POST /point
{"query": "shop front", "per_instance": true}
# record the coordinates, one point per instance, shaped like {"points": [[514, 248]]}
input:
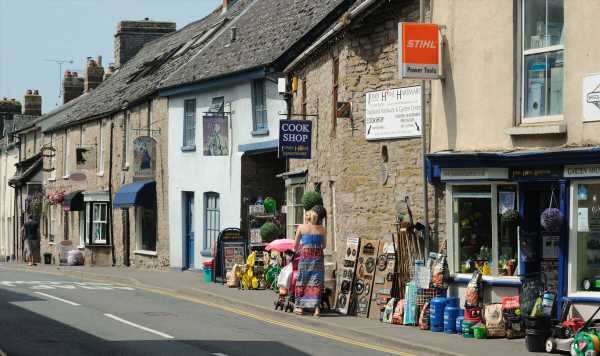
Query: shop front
{"points": [[523, 219]]}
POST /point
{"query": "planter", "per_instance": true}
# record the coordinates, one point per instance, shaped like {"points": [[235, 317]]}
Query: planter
{"points": [[47, 258]]}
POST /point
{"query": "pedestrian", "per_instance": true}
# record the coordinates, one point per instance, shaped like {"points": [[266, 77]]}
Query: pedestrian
{"points": [[310, 243], [31, 238]]}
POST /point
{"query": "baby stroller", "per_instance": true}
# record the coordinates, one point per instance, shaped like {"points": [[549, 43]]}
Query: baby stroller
{"points": [[285, 299]]}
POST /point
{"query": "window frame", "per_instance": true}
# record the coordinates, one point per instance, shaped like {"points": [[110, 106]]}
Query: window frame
{"points": [[100, 162], [139, 212], [81, 220], [291, 205], [52, 160], [66, 155], [523, 53], [189, 125], [453, 241], [260, 121], [90, 222], [52, 224], [212, 229]]}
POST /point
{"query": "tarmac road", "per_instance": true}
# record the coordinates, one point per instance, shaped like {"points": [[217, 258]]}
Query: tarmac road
{"points": [[41, 314]]}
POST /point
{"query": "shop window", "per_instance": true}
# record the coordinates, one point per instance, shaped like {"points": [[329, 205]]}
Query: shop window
{"points": [[52, 220], [295, 210], [212, 219], [146, 229], [189, 124], [482, 240], [586, 223], [259, 106], [81, 228], [543, 58], [97, 223]]}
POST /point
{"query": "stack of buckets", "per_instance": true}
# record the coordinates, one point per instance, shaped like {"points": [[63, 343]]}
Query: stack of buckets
{"points": [[207, 268], [472, 316], [444, 312]]}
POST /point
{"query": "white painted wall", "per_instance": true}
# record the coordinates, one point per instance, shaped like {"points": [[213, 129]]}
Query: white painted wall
{"points": [[193, 172], [8, 159]]}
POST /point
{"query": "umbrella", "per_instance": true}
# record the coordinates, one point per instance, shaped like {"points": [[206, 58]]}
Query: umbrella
{"points": [[281, 245]]}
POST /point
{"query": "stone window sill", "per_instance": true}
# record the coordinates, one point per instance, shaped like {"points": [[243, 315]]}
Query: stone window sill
{"points": [[145, 253], [100, 174], [65, 177], [545, 129], [263, 132], [188, 148]]}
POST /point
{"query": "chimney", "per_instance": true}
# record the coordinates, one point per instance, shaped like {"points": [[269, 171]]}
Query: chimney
{"points": [[94, 74], [225, 7], [131, 36], [72, 86], [8, 109], [109, 71], [32, 103]]}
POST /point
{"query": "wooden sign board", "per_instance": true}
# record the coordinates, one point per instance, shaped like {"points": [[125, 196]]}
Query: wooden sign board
{"points": [[345, 287], [365, 273], [382, 282]]}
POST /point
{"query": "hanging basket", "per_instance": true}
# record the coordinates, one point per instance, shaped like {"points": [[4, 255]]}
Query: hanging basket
{"points": [[551, 219], [511, 218]]}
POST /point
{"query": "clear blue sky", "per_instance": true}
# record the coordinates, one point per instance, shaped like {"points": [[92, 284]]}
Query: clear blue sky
{"points": [[34, 30]]}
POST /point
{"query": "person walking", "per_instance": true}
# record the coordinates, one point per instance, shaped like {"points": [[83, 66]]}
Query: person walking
{"points": [[31, 239], [310, 243]]}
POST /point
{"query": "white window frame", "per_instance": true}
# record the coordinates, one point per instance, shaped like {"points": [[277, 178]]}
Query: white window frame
{"points": [[52, 224], [82, 225], [292, 206], [52, 160], [100, 148], [525, 53], [189, 124], [95, 222], [211, 228], [66, 155], [453, 243]]}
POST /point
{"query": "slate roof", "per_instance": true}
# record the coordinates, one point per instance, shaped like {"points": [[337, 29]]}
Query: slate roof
{"points": [[266, 29]]}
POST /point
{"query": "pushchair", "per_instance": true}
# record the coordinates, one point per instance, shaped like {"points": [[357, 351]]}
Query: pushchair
{"points": [[285, 297]]}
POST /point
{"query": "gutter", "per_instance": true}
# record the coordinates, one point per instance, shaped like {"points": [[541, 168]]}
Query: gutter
{"points": [[342, 23]]}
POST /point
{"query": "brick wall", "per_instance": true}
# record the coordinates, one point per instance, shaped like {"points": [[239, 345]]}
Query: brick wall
{"points": [[343, 160]]}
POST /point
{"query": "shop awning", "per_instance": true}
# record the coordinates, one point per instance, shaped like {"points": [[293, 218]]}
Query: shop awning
{"points": [[136, 194], [74, 201]]}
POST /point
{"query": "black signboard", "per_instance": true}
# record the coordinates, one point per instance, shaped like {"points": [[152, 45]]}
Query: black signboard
{"points": [[532, 287], [232, 248], [295, 138], [545, 172]]}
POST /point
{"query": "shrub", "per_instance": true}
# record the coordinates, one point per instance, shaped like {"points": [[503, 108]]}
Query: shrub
{"points": [[310, 199], [269, 232]]}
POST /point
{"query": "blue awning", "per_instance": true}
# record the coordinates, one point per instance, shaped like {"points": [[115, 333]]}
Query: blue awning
{"points": [[136, 194]]}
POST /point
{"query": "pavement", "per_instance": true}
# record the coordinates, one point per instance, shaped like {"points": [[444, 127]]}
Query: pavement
{"points": [[181, 305]]}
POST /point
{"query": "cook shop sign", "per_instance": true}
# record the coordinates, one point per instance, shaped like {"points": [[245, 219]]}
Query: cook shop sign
{"points": [[295, 137], [393, 113]]}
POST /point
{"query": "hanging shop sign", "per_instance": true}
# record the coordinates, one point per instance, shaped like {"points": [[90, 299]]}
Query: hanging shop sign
{"points": [[295, 139], [216, 135], [419, 50], [582, 171], [144, 157], [591, 98], [393, 113], [474, 173]]}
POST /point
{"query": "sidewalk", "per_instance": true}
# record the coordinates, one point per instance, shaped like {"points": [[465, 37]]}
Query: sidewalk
{"points": [[191, 284]]}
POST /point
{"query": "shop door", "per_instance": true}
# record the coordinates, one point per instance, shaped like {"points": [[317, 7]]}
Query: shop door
{"points": [[189, 230]]}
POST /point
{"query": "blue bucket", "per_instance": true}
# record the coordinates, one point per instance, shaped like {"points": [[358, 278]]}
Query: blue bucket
{"points": [[459, 320], [452, 302], [450, 315], [437, 314]]}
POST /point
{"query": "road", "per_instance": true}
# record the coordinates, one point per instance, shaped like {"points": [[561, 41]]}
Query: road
{"points": [[41, 314]]}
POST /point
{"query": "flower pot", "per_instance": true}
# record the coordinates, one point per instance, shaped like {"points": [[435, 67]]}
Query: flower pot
{"points": [[47, 258]]}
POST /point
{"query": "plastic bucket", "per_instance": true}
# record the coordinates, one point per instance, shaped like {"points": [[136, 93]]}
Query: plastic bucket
{"points": [[467, 328], [535, 341], [459, 321], [208, 274], [450, 315], [437, 314], [479, 332]]}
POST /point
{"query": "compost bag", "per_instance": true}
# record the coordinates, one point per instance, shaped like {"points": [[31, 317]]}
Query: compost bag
{"points": [[474, 292]]}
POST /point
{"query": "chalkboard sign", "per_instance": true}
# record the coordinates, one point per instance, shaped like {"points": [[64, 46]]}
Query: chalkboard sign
{"points": [[532, 287], [232, 248]]}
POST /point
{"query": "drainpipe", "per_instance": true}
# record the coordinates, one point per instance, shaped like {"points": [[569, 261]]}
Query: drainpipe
{"points": [[110, 199], [424, 148]]}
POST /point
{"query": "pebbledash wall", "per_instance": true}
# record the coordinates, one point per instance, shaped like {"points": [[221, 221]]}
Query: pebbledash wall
{"points": [[347, 166], [98, 177]]}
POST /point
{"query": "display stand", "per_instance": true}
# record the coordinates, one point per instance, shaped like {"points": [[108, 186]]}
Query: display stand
{"points": [[232, 249]]}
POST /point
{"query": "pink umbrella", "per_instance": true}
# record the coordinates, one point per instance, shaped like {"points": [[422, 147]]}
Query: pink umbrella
{"points": [[281, 245]]}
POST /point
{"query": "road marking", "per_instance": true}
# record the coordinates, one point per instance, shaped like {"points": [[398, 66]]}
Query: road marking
{"points": [[49, 285], [166, 336], [57, 298], [219, 354]]}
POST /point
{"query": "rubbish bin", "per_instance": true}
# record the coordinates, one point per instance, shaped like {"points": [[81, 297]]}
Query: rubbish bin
{"points": [[47, 258], [207, 268]]}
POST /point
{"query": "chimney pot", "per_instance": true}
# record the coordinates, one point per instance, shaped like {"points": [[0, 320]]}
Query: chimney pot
{"points": [[131, 36], [32, 103], [99, 60], [93, 76]]}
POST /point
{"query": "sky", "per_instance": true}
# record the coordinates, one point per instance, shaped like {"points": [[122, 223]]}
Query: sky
{"points": [[34, 33]]}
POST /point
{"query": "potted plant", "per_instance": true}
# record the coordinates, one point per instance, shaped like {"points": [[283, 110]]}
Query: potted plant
{"points": [[310, 199], [269, 231]]}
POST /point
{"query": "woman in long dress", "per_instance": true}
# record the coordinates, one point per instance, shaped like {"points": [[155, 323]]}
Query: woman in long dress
{"points": [[310, 242]]}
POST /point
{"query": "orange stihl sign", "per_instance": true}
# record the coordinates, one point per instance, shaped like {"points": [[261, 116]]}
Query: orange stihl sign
{"points": [[419, 50]]}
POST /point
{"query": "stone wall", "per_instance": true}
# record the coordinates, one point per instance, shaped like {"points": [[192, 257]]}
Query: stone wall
{"points": [[347, 166]]}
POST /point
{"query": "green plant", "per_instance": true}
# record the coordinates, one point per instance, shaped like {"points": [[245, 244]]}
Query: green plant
{"points": [[511, 217], [269, 231], [270, 206], [310, 199]]}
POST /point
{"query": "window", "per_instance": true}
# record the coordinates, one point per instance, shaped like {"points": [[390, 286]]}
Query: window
{"points": [[295, 210], [212, 219], [334, 92], [98, 223], [81, 228], [543, 58], [218, 106], [100, 148], [189, 124], [52, 158], [66, 155], [585, 244], [126, 123], [146, 229], [52, 219], [259, 106], [481, 239]]}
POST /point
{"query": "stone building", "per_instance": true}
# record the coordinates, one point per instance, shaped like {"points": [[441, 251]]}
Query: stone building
{"points": [[363, 182]]}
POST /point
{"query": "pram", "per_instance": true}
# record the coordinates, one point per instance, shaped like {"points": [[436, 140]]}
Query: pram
{"points": [[285, 299]]}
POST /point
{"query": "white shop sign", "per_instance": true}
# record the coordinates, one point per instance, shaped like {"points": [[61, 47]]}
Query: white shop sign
{"points": [[581, 171], [591, 98], [393, 113], [474, 173]]}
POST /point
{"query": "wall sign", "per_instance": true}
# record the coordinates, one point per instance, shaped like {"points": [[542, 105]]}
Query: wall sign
{"points": [[591, 98], [393, 113], [295, 139], [144, 157], [580, 171], [419, 50], [474, 173]]}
